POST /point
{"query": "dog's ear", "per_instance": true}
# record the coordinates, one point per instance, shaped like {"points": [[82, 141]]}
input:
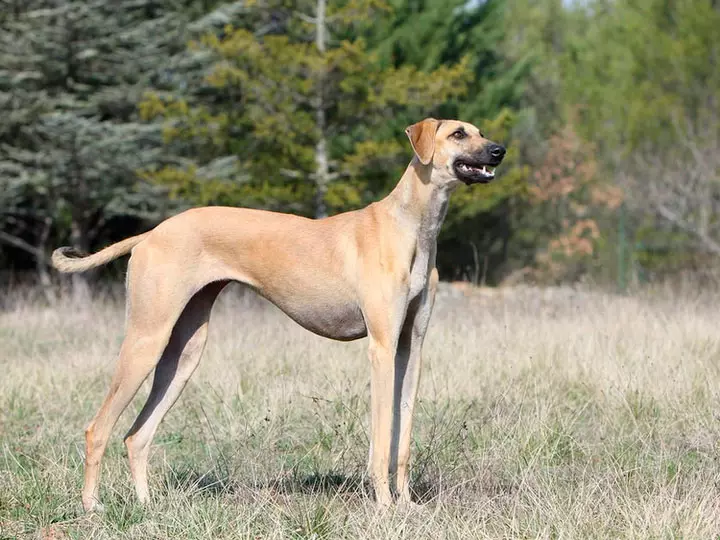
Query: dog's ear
{"points": [[422, 138]]}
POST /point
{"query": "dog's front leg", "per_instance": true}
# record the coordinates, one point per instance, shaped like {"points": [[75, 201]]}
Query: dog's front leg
{"points": [[384, 314], [408, 364]]}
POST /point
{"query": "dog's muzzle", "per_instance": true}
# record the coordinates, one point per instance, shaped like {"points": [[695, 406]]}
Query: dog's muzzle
{"points": [[479, 168]]}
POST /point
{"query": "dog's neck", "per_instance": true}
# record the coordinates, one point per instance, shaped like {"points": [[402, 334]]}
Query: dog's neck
{"points": [[419, 201]]}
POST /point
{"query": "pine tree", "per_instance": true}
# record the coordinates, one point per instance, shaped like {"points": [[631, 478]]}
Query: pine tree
{"points": [[475, 240], [72, 73], [302, 104]]}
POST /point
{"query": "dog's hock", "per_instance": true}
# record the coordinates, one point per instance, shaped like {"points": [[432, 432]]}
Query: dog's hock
{"points": [[422, 139]]}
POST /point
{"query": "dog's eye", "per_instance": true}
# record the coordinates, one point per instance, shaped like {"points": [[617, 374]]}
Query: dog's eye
{"points": [[459, 134]]}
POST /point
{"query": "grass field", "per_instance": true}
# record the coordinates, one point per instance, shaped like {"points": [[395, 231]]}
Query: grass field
{"points": [[543, 413]]}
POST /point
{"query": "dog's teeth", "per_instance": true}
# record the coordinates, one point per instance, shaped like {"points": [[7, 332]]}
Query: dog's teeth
{"points": [[485, 170]]}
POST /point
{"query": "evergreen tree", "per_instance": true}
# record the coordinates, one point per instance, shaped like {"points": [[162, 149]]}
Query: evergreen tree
{"points": [[72, 73], [475, 242], [301, 104], [429, 34]]}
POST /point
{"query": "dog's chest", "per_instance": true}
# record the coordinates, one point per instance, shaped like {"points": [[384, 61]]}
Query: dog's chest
{"points": [[426, 246], [420, 271]]}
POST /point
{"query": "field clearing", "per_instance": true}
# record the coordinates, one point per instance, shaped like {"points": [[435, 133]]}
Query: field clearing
{"points": [[543, 413]]}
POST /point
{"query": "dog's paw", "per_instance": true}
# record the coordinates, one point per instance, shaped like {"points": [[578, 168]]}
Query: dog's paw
{"points": [[383, 504], [407, 505], [93, 507]]}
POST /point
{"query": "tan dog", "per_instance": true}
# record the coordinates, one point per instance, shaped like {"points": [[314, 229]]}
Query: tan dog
{"points": [[368, 272]]}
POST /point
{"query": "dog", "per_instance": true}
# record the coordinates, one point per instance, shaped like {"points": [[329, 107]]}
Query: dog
{"points": [[368, 272]]}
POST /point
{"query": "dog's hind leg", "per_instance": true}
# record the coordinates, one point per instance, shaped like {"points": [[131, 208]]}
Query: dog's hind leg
{"points": [[155, 302], [178, 362]]}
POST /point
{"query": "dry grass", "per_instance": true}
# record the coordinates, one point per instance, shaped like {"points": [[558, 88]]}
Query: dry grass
{"points": [[551, 414]]}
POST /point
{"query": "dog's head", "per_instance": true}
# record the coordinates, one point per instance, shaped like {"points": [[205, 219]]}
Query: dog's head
{"points": [[456, 151]]}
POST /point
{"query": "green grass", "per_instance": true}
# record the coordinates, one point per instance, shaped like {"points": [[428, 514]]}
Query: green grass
{"points": [[542, 414]]}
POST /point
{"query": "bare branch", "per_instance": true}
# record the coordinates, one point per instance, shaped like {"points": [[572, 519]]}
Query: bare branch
{"points": [[671, 216], [306, 18], [292, 173], [21, 244]]}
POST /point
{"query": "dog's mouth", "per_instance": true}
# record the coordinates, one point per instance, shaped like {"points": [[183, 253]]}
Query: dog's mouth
{"points": [[473, 172]]}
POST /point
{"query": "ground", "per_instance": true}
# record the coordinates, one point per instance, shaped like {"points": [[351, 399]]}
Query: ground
{"points": [[550, 413]]}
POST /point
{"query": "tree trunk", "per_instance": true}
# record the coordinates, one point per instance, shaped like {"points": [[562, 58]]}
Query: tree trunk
{"points": [[39, 253], [80, 282], [41, 262], [79, 237], [321, 158]]}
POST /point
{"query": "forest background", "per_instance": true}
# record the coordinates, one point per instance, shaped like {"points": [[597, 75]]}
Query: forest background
{"points": [[119, 113]]}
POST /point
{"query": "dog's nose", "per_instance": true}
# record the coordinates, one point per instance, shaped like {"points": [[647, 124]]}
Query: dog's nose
{"points": [[497, 151]]}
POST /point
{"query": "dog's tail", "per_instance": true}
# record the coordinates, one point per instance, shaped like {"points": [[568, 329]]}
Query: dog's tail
{"points": [[67, 259]]}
